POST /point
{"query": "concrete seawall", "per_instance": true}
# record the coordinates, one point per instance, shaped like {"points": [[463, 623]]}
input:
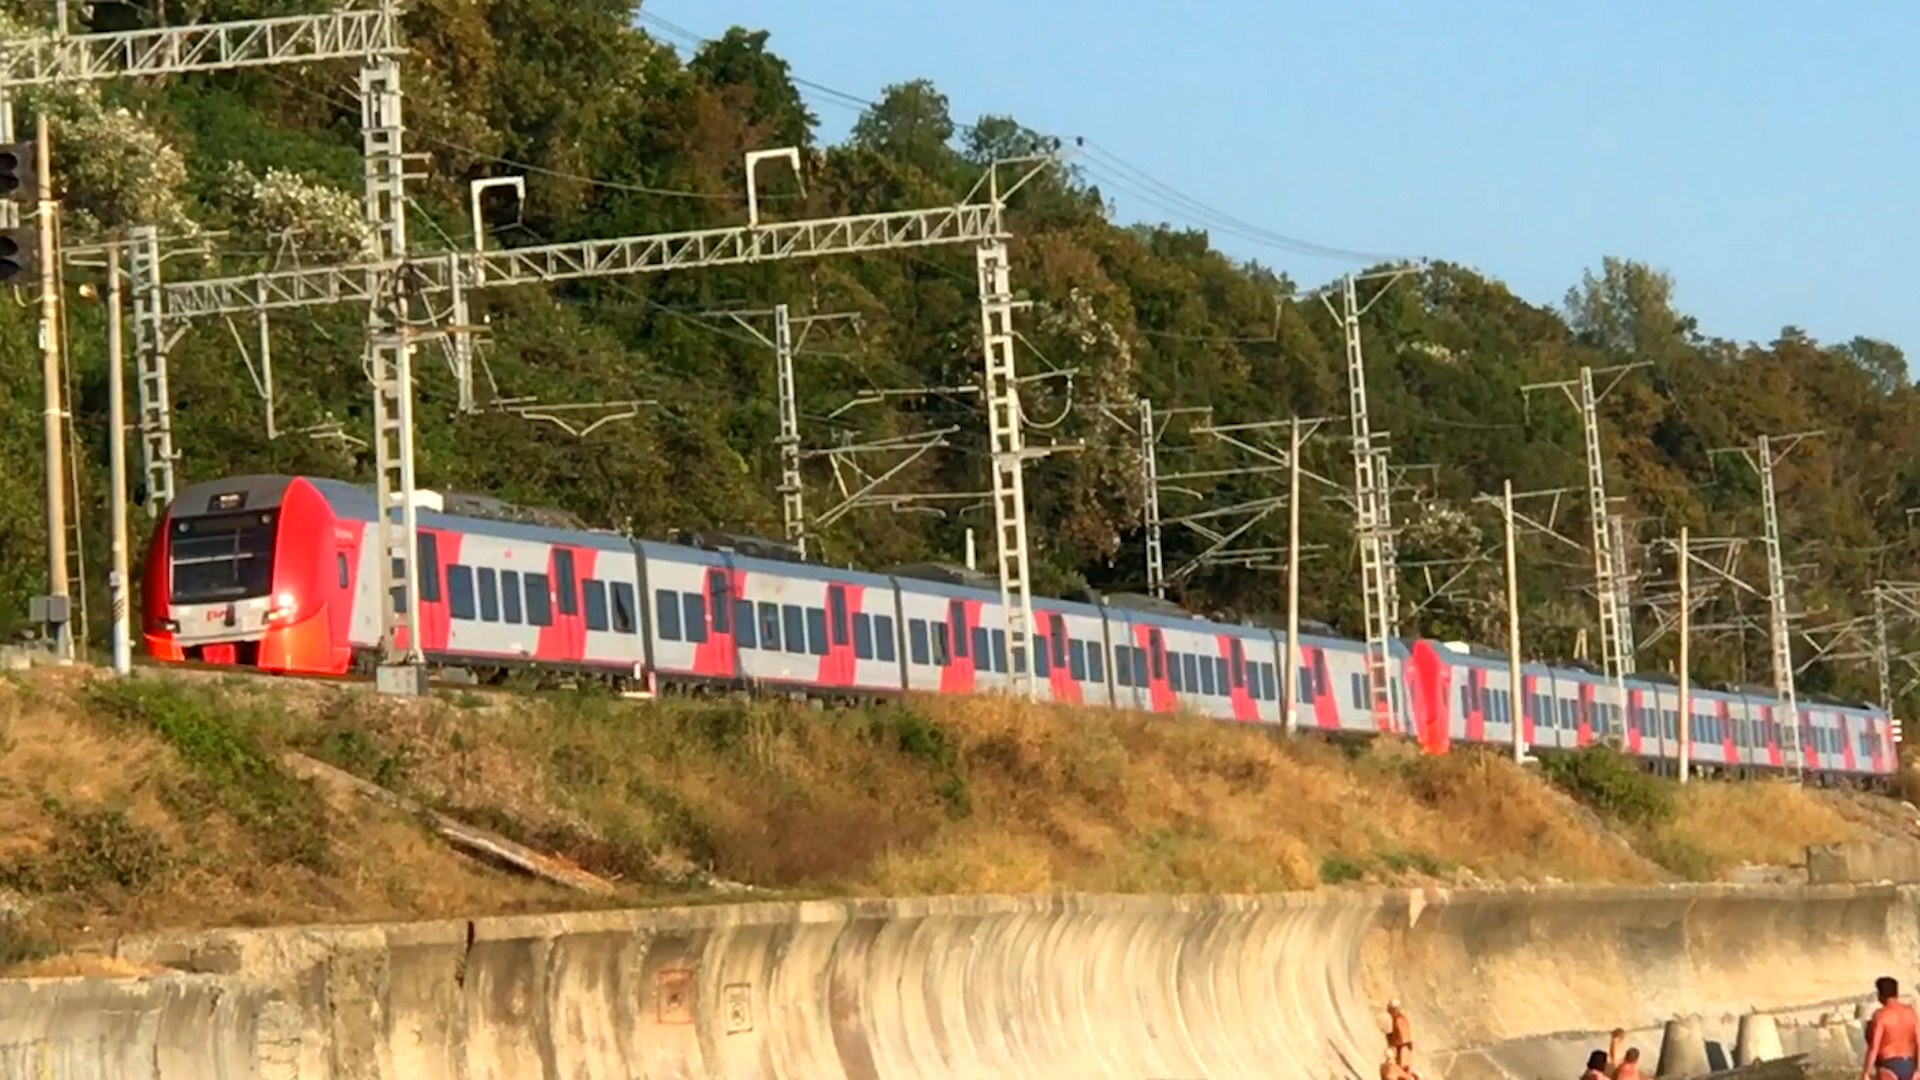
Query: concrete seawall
{"points": [[1061, 987]]}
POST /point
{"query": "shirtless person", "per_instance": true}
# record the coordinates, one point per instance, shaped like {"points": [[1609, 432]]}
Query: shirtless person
{"points": [[1596, 1066], [1629, 1066], [1390, 1069], [1895, 1040], [1400, 1039], [1616, 1045]]}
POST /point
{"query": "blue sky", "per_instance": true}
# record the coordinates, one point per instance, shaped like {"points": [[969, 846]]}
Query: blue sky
{"points": [[1762, 152]]}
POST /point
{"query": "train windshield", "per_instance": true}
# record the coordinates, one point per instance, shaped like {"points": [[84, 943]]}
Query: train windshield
{"points": [[222, 559]]}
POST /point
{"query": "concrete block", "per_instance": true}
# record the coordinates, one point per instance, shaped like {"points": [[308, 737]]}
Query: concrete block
{"points": [[1758, 1040], [1683, 1049], [1891, 859]]}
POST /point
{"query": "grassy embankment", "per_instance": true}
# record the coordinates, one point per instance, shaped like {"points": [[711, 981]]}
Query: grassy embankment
{"points": [[164, 802]]}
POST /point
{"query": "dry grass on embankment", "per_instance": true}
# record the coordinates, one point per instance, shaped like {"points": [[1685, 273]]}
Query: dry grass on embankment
{"points": [[162, 802]]}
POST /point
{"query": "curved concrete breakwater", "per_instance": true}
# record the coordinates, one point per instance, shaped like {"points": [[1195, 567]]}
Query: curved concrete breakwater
{"points": [[1497, 982]]}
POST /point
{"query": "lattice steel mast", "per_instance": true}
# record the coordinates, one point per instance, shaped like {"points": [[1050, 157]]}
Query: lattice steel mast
{"points": [[1616, 615]]}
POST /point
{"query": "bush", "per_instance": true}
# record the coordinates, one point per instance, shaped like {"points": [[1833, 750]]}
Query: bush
{"points": [[285, 818], [1612, 784], [1339, 869], [93, 848]]}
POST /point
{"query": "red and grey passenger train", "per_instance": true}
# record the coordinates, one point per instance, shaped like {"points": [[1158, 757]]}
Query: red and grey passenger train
{"points": [[279, 573]]}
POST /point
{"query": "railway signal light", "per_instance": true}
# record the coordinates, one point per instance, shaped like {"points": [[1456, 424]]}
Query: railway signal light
{"points": [[19, 254], [19, 173]]}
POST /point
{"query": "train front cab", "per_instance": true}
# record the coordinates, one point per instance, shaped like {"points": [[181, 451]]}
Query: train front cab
{"points": [[244, 571]]}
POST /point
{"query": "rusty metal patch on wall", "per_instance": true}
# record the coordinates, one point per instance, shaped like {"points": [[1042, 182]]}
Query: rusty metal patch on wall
{"points": [[673, 1003]]}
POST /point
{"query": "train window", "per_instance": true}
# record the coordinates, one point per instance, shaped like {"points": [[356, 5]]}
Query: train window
{"points": [[769, 626], [1205, 666], [567, 586], [1190, 671], [743, 635], [1042, 665], [883, 639], [862, 636], [1096, 670], [982, 648], [793, 625], [1000, 651], [693, 617], [1077, 660], [721, 597], [510, 597], [666, 612], [1057, 630], [1466, 699], [593, 593], [837, 612], [489, 589], [1303, 684], [539, 600], [917, 649], [1271, 674], [817, 631], [429, 567], [1174, 680], [1239, 664], [1123, 666], [956, 626], [340, 568], [942, 644], [1139, 664], [460, 603], [1566, 715], [623, 608], [1220, 675], [1157, 651], [1357, 690]]}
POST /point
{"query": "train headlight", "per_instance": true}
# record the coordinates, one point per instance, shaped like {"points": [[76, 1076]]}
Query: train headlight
{"points": [[283, 607]]}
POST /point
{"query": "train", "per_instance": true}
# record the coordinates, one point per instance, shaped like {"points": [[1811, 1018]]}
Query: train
{"points": [[279, 573]]}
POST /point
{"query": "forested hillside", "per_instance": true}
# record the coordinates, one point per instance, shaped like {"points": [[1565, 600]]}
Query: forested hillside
{"points": [[619, 134]]}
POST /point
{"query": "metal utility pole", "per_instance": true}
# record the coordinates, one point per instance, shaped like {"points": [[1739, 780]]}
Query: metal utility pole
{"points": [[78, 58], [1882, 654], [1767, 453], [389, 355], [1008, 444], [1371, 516], [150, 355], [1686, 640], [54, 410], [1289, 679], [119, 582], [1389, 546], [1150, 499], [793, 511], [1615, 653], [1511, 518], [1515, 687]]}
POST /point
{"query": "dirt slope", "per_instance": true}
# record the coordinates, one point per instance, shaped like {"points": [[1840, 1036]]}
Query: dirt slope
{"points": [[163, 802]]}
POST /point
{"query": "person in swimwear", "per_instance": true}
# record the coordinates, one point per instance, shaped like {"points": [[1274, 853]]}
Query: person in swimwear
{"points": [[1390, 1069], [1894, 1042], [1616, 1045], [1596, 1066], [1400, 1038], [1629, 1067]]}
